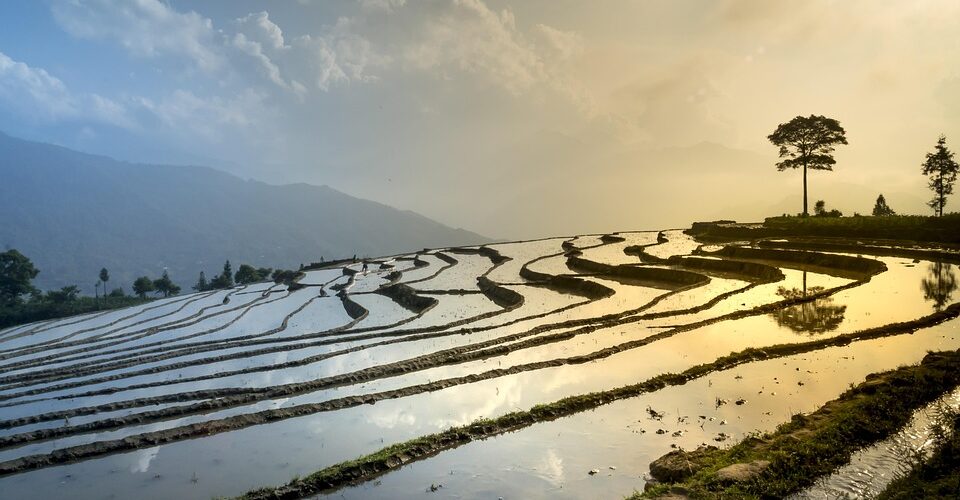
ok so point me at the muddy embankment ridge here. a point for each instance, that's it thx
(371, 466)
(654, 277)
(903, 229)
(866, 248)
(226, 398)
(407, 297)
(835, 265)
(808, 446)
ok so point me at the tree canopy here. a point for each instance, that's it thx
(808, 142)
(16, 274)
(247, 274)
(942, 170)
(165, 285)
(881, 209)
(142, 286)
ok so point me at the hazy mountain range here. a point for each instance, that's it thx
(73, 213)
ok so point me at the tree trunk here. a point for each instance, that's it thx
(805, 213)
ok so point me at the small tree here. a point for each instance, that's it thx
(117, 292)
(247, 274)
(104, 278)
(165, 286)
(16, 275)
(202, 284)
(881, 209)
(808, 142)
(942, 170)
(820, 208)
(142, 286)
(224, 279)
(63, 295)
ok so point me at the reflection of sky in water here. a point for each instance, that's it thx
(143, 459)
(518, 464)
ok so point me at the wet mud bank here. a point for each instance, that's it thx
(656, 277)
(832, 264)
(743, 270)
(567, 284)
(867, 248)
(808, 446)
(502, 296)
(407, 298)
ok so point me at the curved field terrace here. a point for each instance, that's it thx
(558, 367)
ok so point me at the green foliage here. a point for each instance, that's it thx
(63, 295)
(247, 274)
(807, 142)
(938, 477)
(224, 279)
(41, 308)
(16, 274)
(820, 210)
(944, 229)
(881, 209)
(942, 170)
(165, 286)
(117, 292)
(142, 286)
(284, 276)
(104, 277)
(202, 284)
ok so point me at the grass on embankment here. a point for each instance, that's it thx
(938, 476)
(31, 312)
(810, 446)
(944, 229)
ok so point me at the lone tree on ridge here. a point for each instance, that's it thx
(808, 142)
(942, 170)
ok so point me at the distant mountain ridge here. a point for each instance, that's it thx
(73, 213)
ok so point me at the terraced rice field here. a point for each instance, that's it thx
(218, 393)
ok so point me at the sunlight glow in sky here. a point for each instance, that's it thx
(510, 119)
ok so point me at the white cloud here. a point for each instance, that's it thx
(265, 64)
(566, 44)
(473, 38)
(340, 55)
(145, 28)
(36, 95)
(382, 5)
(260, 28)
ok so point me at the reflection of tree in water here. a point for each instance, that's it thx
(816, 316)
(939, 284)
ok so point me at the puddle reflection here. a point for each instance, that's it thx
(814, 317)
(939, 284)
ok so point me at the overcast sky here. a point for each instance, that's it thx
(508, 118)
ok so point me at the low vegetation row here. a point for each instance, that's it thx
(21, 302)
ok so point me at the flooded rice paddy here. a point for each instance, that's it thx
(217, 393)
